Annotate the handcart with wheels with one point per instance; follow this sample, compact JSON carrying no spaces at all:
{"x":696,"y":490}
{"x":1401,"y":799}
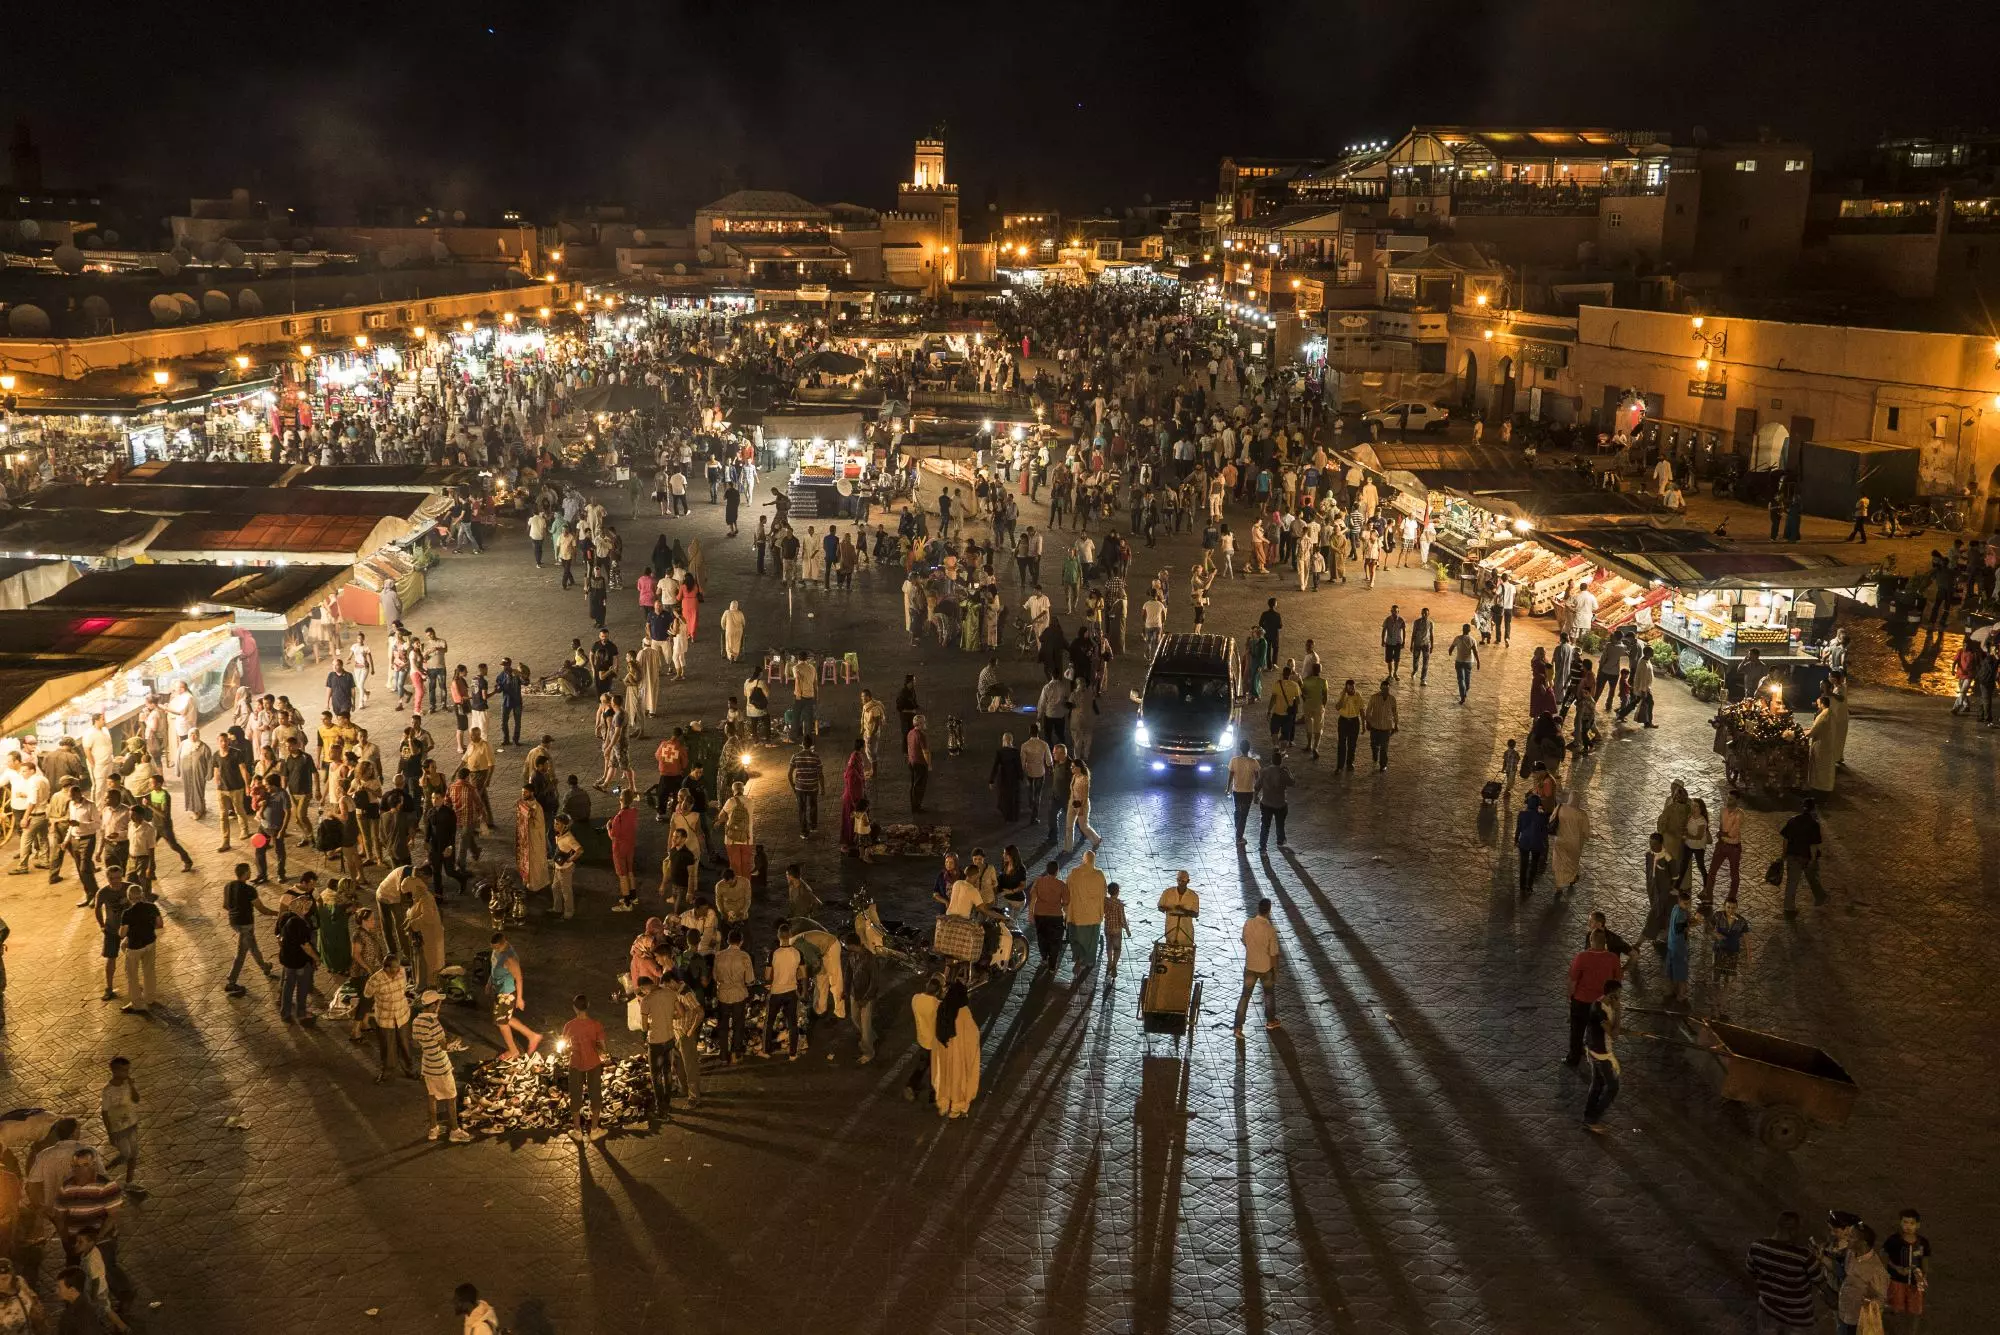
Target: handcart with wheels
{"x":1790,"y":1086}
{"x":1170,"y":995}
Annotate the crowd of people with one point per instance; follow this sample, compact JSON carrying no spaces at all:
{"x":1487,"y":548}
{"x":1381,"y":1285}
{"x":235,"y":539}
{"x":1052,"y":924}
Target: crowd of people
{"x":1159,"y":428}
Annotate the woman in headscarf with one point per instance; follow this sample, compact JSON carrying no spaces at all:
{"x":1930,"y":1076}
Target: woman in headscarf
{"x":1005,"y":779}
{"x":1569,"y":831}
{"x":423,"y":922}
{"x":1822,"y":735}
{"x":634,"y":682}
{"x":738,"y":837}
{"x":1544,"y":746}
{"x":661,"y":556}
{"x":531,"y":842}
{"x":853,"y":789}
{"x":955,"y":1060}
{"x":1542,"y":686}
{"x":196,"y":762}
{"x":968,"y":625}
{"x":733,"y":622}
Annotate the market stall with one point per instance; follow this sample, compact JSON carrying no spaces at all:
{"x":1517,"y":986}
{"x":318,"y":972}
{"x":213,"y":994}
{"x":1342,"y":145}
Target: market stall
{"x":25,"y":581}
{"x":59,"y":668}
{"x":1720,"y":606}
{"x":829,"y":458}
{"x":269,"y":603}
{"x":78,"y":535}
{"x":1542,"y":576}
{"x":275,"y":539}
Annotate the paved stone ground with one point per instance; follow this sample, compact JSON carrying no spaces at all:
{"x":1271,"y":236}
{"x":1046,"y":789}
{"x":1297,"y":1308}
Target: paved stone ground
{"x":1404,"y":1156}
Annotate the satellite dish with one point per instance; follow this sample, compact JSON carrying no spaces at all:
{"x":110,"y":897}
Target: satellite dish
{"x":249,"y":302}
{"x":639,"y":236}
{"x":705,"y":255}
{"x":302,"y":244}
{"x":183,"y":255}
{"x":281,"y":259}
{"x":93,"y":242}
{"x":96,"y":309}
{"x":458,"y":215}
{"x":168,"y":266}
{"x":211,"y":251}
{"x":30,"y":229}
{"x":190,"y":308}
{"x":440,"y":252}
{"x":68,"y":258}
{"x":232,"y":255}
{"x":165,"y":309}
{"x":110,"y":238}
{"x":680,"y":268}
{"x":215,"y":305}
{"x":27,"y":322}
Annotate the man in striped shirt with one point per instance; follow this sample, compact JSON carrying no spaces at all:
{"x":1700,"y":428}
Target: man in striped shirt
{"x":89,"y":1200}
{"x":434,"y":1047}
{"x":1783,"y":1269}
{"x":806,"y":777}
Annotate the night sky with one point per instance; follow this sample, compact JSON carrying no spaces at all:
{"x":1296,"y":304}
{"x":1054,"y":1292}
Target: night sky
{"x":673,"y":101}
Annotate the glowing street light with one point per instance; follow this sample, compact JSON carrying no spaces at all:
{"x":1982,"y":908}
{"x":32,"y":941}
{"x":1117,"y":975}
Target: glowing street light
{"x":468,"y":326}
{"x":361,"y":342}
{"x":306,"y":350}
{"x":7,"y":383}
{"x":242,"y":362}
{"x":420,"y":331}
{"x":161,"y":377}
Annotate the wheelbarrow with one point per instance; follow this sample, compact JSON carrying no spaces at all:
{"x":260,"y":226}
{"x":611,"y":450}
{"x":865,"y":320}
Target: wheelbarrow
{"x":1790,"y":1086}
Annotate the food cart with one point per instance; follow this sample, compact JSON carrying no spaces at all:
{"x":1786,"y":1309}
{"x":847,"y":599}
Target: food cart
{"x":1763,"y":748}
{"x":1543,"y":576}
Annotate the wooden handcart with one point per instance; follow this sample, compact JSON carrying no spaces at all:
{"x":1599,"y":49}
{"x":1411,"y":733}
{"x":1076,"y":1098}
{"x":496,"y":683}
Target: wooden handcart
{"x":1791,"y":1086}
{"x":1170,"y":995}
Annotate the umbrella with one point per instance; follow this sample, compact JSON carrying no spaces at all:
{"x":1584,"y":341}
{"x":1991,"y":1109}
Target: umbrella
{"x":615,"y":399}
{"x":835,"y":363}
{"x":694,"y":361}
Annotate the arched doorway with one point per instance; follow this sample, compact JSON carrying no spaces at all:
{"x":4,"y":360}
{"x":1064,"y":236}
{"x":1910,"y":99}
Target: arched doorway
{"x":1503,"y":390}
{"x":1468,"y":382}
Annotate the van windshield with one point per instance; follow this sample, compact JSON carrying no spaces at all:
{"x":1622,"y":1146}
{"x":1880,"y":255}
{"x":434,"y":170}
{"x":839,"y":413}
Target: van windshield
{"x":1170,"y":693}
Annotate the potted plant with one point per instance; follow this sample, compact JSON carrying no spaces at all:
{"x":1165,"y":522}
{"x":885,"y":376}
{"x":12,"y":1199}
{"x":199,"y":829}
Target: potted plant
{"x":1440,"y":577}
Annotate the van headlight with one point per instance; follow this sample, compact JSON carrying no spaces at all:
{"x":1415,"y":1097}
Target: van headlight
{"x":1228,"y":737}
{"x":1141,"y":735}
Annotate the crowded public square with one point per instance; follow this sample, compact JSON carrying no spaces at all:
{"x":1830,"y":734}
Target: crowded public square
{"x":705,"y":912}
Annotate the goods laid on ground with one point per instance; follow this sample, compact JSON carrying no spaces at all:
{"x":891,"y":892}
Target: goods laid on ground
{"x":530,"y":1095}
{"x":1764,"y":752}
{"x":910,"y":841}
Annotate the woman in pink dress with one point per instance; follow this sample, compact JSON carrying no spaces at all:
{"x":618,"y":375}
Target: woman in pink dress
{"x":853,"y":788}
{"x":690,"y":598}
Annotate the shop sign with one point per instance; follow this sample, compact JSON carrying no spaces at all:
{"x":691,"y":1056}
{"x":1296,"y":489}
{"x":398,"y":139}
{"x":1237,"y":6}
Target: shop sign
{"x":1708,"y":389}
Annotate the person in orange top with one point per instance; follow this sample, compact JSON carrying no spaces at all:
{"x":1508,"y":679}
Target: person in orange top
{"x":671,"y":755}
{"x":584,"y":1039}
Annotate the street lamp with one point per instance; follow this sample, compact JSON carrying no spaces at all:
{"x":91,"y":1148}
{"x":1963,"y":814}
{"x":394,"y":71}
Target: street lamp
{"x":419,"y":331}
{"x":467,"y":327}
{"x":242,"y":362}
{"x":306,"y":351}
{"x":361,"y":342}
{"x":161,"y":377}
{"x":7,"y":383}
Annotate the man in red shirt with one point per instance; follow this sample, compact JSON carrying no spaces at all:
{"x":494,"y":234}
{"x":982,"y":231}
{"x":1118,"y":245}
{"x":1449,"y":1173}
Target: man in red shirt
{"x":584,"y":1039}
{"x":1592,"y":968}
{"x":672,"y":757}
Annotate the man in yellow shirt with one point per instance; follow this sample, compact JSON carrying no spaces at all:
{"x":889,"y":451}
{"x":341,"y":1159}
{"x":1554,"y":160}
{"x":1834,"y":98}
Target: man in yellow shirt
{"x":1347,"y":712}
{"x":1285,"y":705}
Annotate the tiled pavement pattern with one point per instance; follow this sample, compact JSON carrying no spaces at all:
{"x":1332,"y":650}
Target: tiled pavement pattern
{"x":1404,"y":1156}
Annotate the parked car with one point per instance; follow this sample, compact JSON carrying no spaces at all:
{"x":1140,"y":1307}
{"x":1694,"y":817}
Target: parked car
{"x":1409,"y":417}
